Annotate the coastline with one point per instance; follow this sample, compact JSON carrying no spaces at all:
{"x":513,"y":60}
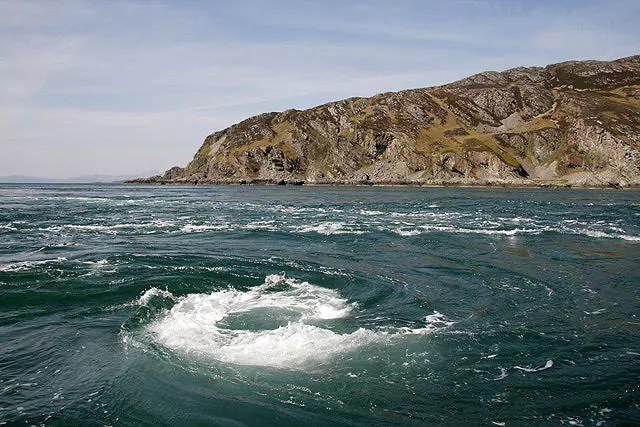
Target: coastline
{"x":574,"y":127}
{"x":427,"y":184}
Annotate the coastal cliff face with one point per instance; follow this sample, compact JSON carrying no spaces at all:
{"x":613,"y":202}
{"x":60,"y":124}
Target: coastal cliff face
{"x":575,"y":123}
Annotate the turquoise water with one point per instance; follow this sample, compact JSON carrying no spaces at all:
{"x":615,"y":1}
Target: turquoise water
{"x":168,"y":305}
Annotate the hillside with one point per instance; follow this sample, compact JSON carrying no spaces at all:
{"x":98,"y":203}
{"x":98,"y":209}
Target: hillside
{"x":575,"y":123}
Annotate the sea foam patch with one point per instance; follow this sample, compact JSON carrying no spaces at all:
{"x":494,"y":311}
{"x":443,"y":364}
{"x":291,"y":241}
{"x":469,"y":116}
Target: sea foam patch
{"x":281,"y":324}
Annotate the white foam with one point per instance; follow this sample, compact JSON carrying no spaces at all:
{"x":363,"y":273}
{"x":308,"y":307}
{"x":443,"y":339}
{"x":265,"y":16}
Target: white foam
{"x":150,"y":227}
{"x":8,"y":227}
{"x":192,"y":228}
{"x":291,"y":347}
{"x":596,"y":312}
{"x":27,"y":265}
{"x":372,"y":213}
{"x":199,"y":323}
{"x":437,"y":320}
{"x":406,"y":233}
{"x":503,"y":375}
{"x":602,"y":234}
{"x":98,"y":263}
{"x":261,"y":225}
{"x":154,"y":292}
{"x":57,"y":246}
{"x":433,"y":322}
{"x":327,"y":228}
{"x":463,"y":230}
{"x":547,"y":365}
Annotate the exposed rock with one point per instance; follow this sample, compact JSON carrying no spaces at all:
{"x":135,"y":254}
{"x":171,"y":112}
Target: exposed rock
{"x":173,"y":173}
{"x":576,"y":123}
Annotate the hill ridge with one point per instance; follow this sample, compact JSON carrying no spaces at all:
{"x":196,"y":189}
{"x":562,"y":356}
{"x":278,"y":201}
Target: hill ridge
{"x":574,"y":123}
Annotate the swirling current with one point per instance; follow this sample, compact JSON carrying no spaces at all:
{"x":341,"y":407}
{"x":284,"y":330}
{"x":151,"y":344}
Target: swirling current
{"x":285,"y":305}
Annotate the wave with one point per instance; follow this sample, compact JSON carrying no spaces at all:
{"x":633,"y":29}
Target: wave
{"x":150,"y":227}
{"x":29,"y":265}
{"x":100,"y":262}
{"x":364,"y":222}
{"x":7,"y":227}
{"x":294,"y":210}
{"x":54,"y":246}
{"x":424,"y":229}
{"x":328,"y":228}
{"x":601,"y":234}
{"x":193,"y":228}
{"x":546,"y":366}
{"x":487,"y":231}
{"x":146,"y":297}
{"x":281,"y":324}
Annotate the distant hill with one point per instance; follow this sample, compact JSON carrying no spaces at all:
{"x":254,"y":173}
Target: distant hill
{"x":85,"y":179}
{"x":576,"y":123}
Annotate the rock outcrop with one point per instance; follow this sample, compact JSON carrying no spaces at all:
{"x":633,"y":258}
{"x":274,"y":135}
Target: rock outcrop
{"x":576,"y":123}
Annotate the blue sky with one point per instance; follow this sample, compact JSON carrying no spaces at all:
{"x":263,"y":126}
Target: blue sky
{"x":120,"y":87}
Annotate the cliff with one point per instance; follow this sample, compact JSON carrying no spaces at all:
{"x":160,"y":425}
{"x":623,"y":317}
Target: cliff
{"x":576,"y":123}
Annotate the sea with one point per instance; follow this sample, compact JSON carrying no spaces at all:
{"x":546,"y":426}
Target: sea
{"x":318,"y":306}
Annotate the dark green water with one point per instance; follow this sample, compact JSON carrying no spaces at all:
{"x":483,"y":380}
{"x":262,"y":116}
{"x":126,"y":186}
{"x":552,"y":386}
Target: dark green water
{"x":232,"y":306}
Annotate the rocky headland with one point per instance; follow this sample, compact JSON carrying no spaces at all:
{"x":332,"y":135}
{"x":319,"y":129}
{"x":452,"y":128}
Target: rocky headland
{"x":576,"y":123}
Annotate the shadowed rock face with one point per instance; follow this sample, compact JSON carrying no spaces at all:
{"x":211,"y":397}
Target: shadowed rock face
{"x":576,"y":123}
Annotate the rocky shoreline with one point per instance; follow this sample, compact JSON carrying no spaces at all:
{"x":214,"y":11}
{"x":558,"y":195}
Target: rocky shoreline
{"x":435,"y":184}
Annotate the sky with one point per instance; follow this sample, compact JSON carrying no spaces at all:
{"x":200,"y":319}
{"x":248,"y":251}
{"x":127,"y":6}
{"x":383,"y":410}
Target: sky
{"x":123,"y":87}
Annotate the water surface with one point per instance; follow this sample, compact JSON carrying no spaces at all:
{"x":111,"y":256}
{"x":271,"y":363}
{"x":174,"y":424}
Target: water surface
{"x":318,"y":306}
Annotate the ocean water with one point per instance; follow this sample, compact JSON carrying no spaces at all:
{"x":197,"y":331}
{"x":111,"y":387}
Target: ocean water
{"x":232,"y":306}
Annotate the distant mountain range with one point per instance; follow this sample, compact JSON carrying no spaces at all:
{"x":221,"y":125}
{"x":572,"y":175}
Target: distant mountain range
{"x":575,"y":123}
{"x":85,"y":179}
